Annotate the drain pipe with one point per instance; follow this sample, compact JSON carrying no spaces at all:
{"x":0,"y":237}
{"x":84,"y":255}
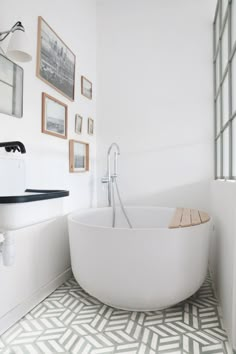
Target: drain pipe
{"x":7,"y":249}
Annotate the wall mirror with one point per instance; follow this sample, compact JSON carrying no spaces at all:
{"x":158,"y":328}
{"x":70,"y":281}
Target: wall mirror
{"x":11,"y":88}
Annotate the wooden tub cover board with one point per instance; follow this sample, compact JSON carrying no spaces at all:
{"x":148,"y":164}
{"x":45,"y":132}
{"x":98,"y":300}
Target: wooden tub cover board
{"x":184,"y":217}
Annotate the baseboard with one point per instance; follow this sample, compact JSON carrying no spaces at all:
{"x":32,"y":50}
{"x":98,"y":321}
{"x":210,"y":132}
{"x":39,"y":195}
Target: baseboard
{"x":11,"y":317}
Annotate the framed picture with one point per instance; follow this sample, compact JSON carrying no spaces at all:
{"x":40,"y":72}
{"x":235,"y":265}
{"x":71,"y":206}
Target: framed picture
{"x":90,"y":126}
{"x":78,"y":124}
{"x":55,"y":61}
{"x":79,"y":156}
{"x":54,"y":117}
{"x":86,"y":87}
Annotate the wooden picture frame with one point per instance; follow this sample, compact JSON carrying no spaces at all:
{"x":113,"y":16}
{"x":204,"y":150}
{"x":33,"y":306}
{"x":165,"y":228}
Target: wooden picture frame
{"x":55,"y":61}
{"x":78,"y":124}
{"x":90,"y":126}
{"x":78,"y":156}
{"x":54,"y":116}
{"x":86,"y":88}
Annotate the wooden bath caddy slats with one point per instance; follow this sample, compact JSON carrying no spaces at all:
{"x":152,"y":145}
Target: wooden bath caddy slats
{"x":184,"y":217}
{"x":176,"y":220}
{"x":195,"y":217}
{"x":204,"y":216}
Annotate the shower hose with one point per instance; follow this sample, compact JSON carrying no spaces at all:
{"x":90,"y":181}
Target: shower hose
{"x":114,"y":182}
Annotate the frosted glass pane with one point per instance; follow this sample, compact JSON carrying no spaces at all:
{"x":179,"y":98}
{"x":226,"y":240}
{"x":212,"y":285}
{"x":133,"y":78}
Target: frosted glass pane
{"x":218,"y":26}
{"x":224,"y":7}
{"x":233,"y":22}
{"x":217,"y":72}
{"x":234,"y":83}
{"x":6,"y":70}
{"x":226,"y":153}
{"x":11,"y":87}
{"x":217,"y":31}
{"x":6,"y":98}
{"x":234,"y":146}
{"x":18,"y":105}
{"x":218,"y":124}
{"x":225,"y":93}
{"x":225,"y":47}
{"x":218,"y":158}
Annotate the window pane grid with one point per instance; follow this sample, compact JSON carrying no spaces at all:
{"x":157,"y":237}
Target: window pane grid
{"x":230,"y":92}
{"x":233,"y":27}
{"x":217,"y":92}
{"x":233,"y":78}
{"x":233,"y":49}
{"x":217,"y":49}
{"x":224,"y":37}
{"x":225,"y":126}
{"x":226,"y":161}
{"x":224,"y":81}
{"x":221,"y":146}
{"x":234,"y":147}
{"x":215,"y":85}
{"x":218,"y":157}
{"x":225,"y":8}
{"x":225,"y":101}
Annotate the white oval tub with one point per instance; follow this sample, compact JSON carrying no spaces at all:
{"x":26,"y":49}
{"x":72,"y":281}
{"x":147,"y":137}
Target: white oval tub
{"x":146,"y":268}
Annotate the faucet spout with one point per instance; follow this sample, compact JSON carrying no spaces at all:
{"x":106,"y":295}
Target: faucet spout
{"x":114,"y":145}
{"x":13,"y":146}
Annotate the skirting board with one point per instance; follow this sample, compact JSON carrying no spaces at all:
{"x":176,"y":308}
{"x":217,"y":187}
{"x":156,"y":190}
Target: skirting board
{"x":21,"y":310}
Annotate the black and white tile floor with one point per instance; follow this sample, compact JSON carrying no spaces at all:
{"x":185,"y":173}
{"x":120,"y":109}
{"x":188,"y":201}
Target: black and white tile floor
{"x":70,"y":321}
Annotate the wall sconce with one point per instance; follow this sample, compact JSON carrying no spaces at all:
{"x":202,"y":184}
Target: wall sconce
{"x":18,"y":47}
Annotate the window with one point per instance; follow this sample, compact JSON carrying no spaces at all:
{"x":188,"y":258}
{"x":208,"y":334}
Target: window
{"x":225,"y":89}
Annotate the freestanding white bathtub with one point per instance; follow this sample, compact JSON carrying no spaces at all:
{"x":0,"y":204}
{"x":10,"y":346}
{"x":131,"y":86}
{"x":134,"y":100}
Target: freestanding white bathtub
{"x":146,"y":268}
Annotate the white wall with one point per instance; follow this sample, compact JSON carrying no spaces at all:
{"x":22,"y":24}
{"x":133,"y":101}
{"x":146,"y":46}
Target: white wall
{"x":223,"y":251}
{"x":47,"y":158}
{"x":154,"y":97}
{"x":42,"y":251}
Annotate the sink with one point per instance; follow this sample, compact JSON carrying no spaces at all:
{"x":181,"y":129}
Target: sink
{"x":30,"y":207}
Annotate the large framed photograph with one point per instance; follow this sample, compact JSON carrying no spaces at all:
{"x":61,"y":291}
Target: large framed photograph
{"x":86,"y":87}
{"x":90,"y":126}
{"x":78,"y":124}
{"x":79,"y":156}
{"x":55,"y":61}
{"x":54,"y":116}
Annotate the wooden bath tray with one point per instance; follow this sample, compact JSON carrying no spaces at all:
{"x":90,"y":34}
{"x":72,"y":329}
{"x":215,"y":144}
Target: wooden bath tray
{"x":184,"y":217}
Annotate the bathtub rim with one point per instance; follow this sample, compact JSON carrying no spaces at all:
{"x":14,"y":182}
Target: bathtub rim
{"x":71,"y":216}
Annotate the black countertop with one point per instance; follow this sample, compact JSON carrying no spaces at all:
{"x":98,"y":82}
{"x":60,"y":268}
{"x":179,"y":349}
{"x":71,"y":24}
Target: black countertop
{"x":35,"y":195}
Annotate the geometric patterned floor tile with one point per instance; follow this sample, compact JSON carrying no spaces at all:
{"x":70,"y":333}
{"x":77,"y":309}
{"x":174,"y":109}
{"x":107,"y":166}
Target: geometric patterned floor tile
{"x":70,"y":321}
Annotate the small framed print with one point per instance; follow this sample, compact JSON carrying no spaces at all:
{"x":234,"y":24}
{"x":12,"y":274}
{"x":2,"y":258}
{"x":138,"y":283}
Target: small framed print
{"x":86,"y":88}
{"x":54,"y":116}
{"x":79,"y":156}
{"x":78,"y":124}
{"x":90,"y":126}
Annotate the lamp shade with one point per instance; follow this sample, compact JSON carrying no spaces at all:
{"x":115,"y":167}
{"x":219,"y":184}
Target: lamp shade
{"x":18,"y":48}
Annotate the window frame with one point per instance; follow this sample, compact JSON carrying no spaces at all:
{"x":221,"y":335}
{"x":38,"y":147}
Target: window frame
{"x":224,"y":21}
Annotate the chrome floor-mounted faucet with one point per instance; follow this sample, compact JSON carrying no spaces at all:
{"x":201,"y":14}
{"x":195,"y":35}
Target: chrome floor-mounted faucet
{"x":110,"y":179}
{"x":111,"y":173}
